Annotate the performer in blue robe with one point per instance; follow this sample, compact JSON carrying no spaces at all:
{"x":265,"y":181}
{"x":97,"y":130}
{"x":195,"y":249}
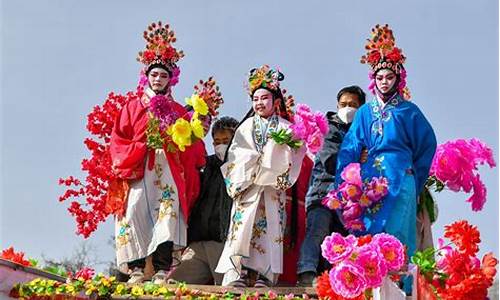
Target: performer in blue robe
{"x":399,"y":139}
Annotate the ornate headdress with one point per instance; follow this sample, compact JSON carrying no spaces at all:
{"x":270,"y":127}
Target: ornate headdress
{"x":159,"y":49}
{"x":382,"y":52}
{"x":264,"y":77}
{"x":267,"y":78}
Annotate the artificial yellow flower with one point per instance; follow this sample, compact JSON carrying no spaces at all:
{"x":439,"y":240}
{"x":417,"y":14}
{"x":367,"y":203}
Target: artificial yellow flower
{"x":197,"y":126}
{"x":181,"y":133}
{"x":162,"y":290}
{"x":137,"y":291}
{"x":199,"y":105}
{"x":120,"y":288}
{"x":105,"y":282}
{"x":70,"y":289}
{"x":90,"y":289}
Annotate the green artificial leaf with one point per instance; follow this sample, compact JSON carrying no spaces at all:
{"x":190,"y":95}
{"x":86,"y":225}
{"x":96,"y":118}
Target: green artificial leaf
{"x":149,"y":287}
{"x":33,"y":262}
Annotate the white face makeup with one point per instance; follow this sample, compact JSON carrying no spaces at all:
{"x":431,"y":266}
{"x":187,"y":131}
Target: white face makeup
{"x":262,"y":103}
{"x":158,"y":79}
{"x":385,"y":80}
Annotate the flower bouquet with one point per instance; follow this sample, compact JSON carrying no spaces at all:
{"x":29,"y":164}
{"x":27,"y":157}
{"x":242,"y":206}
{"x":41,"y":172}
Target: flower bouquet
{"x":455,"y":166}
{"x":358,"y":264}
{"x":354,"y":196}
{"x":166,"y":126}
{"x":453,"y":271}
{"x":308,"y":128}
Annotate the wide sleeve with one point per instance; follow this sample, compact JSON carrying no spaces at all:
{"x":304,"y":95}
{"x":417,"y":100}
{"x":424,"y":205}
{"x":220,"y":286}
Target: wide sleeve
{"x":128,"y":142}
{"x":350,"y":149}
{"x":242,"y":163}
{"x":280,"y":165}
{"x":423,"y":143}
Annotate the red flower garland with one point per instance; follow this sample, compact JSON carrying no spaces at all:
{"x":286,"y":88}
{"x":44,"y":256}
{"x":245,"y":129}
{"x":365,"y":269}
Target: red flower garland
{"x":89,"y":205}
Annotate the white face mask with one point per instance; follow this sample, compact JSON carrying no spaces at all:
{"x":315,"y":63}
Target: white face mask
{"x":346,"y":114}
{"x":220,"y":150}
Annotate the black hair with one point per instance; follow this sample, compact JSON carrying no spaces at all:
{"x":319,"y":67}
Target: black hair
{"x":158,"y":65}
{"x":353,"y":89}
{"x":225,"y":123}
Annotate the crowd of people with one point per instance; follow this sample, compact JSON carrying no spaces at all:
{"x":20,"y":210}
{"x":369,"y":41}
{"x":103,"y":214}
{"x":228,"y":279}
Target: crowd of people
{"x":252,"y":214}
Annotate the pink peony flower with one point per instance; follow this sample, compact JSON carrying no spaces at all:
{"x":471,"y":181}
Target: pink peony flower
{"x":391,"y":249}
{"x":336,"y":248}
{"x":377,"y":189}
{"x":455,"y":164}
{"x":372,"y":264}
{"x":352,"y":211}
{"x":355,"y":225}
{"x":347,"y":280}
{"x":478,"y":198}
{"x":365,"y":201}
{"x":332,"y":201}
{"x":352,"y":174}
{"x":162,"y":109}
{"x":309,"y":127}
{"x":322,"y":123}
{"x":483,"y":153}
{"x":314,"y":143}
{"x":350,"y":192}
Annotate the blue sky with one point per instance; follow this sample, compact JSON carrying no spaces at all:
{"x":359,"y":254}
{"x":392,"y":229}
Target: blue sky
{"x":60,"y":58}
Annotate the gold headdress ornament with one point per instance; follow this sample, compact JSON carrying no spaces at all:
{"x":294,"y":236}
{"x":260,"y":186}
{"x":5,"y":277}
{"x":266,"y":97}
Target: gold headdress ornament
{"x":159,"y":47}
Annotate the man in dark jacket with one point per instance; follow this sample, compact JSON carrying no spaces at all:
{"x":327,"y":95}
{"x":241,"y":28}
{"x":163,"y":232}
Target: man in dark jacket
{"x":209,"y":220}
{"x":321,"y":221}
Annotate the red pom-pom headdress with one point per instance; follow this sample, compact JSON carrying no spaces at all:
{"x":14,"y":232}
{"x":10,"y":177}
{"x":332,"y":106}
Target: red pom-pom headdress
{"x":381,"y":51}
{"x":159,"y":47}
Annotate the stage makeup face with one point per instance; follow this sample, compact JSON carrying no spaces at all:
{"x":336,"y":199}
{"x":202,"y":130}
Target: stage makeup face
{"x":385,"y":80}
{"x":263,"y":103}
{"x":158,"y":79}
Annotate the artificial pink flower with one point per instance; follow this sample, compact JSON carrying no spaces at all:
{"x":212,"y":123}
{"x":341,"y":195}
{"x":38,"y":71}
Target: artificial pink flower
{"x":478,"y":198}
{"x":350,"y":192}
{"x":391,"y":249}
{"x":309,"y":127}
{"x":332,"y":201}
{"x":347,"y":280}
{"x":321,"y":122}
{"x":377,"y":189}
{"x":143,"y":80}
{"x":372,"y":264}
{"x":176,"y":72}
{"x":336,"y":247}
{"x":299,"y":130}
{"x":314,"y":143}
{"x":455,"y":165}
{"x":352,"y":211}
{"x":482,"y":152}
{"x":352,"y":174}
{"x":355,"y":225}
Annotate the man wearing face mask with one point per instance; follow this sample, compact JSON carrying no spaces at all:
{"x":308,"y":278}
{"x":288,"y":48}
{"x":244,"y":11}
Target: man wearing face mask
{"x":320,"y":220}
{"x":209,"y":219}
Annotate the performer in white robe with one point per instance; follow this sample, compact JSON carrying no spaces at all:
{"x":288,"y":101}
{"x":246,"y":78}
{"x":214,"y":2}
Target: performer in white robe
{"x":257,"y":172}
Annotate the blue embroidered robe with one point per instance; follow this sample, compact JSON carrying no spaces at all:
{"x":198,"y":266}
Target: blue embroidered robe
{"x":401,"y":145}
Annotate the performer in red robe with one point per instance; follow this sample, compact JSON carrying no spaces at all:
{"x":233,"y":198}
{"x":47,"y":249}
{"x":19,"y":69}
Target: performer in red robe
{"x":159,"y":181}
